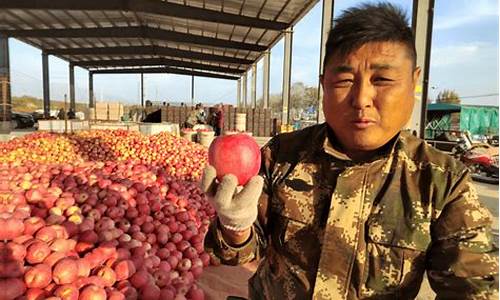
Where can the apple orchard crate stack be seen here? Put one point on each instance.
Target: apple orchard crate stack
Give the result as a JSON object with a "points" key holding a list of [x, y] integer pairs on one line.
{"points": [[102, 214], [259, 120]]}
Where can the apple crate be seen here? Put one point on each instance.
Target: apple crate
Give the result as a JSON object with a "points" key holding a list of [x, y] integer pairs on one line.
{"points": [[58, 126], [155, 128], [132, 126], [44, 125], [78, 125], [112, 126], [189, 135]]}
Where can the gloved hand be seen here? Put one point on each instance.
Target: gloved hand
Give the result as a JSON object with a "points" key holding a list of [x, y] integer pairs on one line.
{"points": [[236, 206]]}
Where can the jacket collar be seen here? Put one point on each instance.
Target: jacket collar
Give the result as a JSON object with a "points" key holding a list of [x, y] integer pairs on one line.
{"points": [[326, 140]]}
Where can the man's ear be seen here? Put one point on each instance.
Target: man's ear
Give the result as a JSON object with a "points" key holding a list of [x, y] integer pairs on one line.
{"points": [[416, 75]]}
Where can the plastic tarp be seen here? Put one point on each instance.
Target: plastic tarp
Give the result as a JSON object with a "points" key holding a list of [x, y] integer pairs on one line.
{"points": [[479, 120]]}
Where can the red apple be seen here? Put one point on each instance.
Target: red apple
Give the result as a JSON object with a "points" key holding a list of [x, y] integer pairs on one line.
{"points": [[65, 271], [67, 292], [92, 292], [37, 252], [12, 288], [38, 276], [236, 154]]}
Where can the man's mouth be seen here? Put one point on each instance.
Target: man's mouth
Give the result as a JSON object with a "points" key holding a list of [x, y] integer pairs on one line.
{"points": [[362, 123]]}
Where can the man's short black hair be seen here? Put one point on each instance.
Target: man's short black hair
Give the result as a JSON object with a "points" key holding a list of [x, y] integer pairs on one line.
{"points": [[368, 22]]}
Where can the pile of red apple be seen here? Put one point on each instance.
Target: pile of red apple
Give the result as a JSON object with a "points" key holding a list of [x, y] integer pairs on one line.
{"points": [[181, 158], [100, 230]]}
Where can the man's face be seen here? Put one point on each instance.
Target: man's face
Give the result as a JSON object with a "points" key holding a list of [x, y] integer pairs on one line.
{"points": [[368, 95]]}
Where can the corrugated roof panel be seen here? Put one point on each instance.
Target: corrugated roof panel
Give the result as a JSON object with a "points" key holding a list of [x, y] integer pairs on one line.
{"points": [[60, 18], [233, 6], [292, 9], [251, 8]]}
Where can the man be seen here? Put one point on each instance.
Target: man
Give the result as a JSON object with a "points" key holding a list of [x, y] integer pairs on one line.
{"points": [[356, 208], [71, 114], [201, 117], [217, 120], [194, 116], [61, 114]]}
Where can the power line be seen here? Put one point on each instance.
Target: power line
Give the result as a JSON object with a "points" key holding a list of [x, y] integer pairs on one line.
{"points": [[479, 96]]}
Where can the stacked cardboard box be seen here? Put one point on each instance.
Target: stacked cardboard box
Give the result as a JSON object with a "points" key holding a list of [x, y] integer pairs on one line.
{"points": [[232, 118], [229, 115], [183, 114], [101, 111], [177, 114], [115, 111], [164, 113], [268, 122], [260, 121], [249, 112]]}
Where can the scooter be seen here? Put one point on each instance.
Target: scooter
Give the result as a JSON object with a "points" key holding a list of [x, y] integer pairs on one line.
{"points": [[478, 158]]}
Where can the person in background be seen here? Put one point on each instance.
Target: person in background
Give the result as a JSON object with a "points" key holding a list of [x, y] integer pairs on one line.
{"points": [[357, 207], [194, 116], [61, 114], [218, 119], [201, 116], [71, 114]]}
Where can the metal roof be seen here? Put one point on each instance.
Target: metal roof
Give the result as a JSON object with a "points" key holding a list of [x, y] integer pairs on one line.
{"points": [[193, 37], [444, 107]]}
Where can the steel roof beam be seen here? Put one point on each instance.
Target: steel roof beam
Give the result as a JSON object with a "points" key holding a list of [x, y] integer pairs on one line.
{"points": [[153, 62], [132, 32], [147, 6], [163, 70], [150, 50]]}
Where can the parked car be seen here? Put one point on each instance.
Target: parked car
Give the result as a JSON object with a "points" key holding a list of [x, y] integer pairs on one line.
{"points": [[22, 120]]}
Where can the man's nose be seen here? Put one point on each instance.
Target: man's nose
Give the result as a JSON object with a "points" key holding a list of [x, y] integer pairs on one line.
{"points": [[362, 95]]}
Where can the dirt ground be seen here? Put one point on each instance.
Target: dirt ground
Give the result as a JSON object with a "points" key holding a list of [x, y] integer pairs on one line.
{"points": [[222, 281]]}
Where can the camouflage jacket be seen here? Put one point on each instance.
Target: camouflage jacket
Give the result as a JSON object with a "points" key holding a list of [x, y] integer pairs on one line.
{"points": [[329, 228]]}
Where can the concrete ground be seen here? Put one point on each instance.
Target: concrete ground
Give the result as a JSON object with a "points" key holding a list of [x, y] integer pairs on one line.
{"points": [[16, 133]]}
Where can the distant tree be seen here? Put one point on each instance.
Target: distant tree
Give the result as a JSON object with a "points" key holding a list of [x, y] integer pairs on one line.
{"points": [[448, 96], [302, 97]]}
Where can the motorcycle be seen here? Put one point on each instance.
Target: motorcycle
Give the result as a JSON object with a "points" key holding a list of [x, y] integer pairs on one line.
{"points": [[480, 158]]}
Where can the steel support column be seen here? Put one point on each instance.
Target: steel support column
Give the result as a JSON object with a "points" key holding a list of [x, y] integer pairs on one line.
{"points": [[244, 92], [72, 103], [192, 90], [265, 79], [253, 88], [5, 96], [91, 90], [238, 93], [287, 76], [142, 89], [46, 85], [423, 14], [326, 25]]}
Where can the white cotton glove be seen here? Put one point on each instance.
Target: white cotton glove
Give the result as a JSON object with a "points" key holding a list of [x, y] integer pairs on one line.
{"points": [[236, 206]]}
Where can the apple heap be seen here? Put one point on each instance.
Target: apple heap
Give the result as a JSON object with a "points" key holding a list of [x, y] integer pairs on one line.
{"points": [[100, 230], [181, 158]]}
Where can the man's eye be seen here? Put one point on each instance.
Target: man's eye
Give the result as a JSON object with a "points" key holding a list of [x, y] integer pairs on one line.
{"points": [[343, 82], [382, 79]]}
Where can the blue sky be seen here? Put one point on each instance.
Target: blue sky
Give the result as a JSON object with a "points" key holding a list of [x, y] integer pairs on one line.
{"points": [[464, 58]]}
